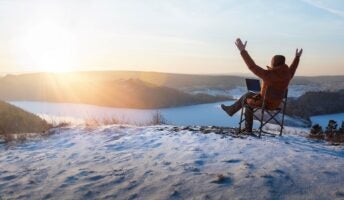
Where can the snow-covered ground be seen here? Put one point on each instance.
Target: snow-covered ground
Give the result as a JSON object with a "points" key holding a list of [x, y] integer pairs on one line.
{"points": [[294, 91], [167, 162], [299, 90], [235, 93]]}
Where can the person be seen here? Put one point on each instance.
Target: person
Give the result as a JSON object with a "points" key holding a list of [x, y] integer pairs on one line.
{"points": [[276, 77]]}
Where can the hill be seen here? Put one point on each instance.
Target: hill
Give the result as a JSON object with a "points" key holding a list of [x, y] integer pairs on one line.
{"points": [[16, 120], [316, 103], [97, 89], [132, 89], [176, 81]]}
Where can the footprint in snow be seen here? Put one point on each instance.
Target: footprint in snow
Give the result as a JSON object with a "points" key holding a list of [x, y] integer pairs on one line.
{"points": [[232, 161], [199, 162], [329, 173], [249, 165], [222, 180], [159, 156], [166, 163], [278, 171], [339, 194]]}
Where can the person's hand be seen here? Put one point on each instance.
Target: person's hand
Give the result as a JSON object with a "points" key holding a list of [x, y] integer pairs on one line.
{"points": [[298, 53], [241, 46]]}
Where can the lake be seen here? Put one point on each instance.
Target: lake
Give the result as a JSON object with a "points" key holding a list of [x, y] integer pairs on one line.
{"points": [[204, 114]]}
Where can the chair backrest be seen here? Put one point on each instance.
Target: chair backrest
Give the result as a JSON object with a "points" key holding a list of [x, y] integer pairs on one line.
{"points": [[276, 94], [253, 85]]}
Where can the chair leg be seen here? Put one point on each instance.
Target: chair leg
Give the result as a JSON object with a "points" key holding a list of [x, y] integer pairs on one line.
{"points": [[282, 125], [261, 123], [240, 122], [283, 113], [281, 131]]}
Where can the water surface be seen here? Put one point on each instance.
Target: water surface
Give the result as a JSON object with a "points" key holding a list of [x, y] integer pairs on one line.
{"points": [[204, 114]]}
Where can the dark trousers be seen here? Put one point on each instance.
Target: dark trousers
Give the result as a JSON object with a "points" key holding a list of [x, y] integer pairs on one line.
{"points": [[239, 104]]}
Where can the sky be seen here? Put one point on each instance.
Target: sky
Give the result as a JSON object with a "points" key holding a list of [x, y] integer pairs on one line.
{"points": [[178, 36]]}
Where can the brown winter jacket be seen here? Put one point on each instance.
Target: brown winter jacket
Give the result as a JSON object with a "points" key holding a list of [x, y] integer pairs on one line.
{"points": [[276, 78]]}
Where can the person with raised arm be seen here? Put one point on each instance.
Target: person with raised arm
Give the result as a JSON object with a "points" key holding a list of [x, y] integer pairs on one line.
{"points": [[277, 77]]}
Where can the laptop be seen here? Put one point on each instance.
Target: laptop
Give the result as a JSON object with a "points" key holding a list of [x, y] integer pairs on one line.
{"points": [[253, 85]]}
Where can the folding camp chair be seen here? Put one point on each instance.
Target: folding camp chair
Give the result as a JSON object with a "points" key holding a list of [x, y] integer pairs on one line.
{"points": [[253, 85]]}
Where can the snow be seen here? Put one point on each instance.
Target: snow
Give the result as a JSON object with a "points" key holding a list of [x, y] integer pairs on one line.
{"points": [[169, 162], [237, 92], [299, 90]]}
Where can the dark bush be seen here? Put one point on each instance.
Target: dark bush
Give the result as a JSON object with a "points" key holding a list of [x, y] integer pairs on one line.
{"points": [[331, 134]]}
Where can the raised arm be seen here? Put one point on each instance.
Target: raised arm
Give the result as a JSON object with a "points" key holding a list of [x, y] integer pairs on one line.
{"points": [[260, 72], [295, 62]]}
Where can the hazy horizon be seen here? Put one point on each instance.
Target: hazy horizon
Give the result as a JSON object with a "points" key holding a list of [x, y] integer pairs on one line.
{"points": [[238, 74], [185, 37], [246, 73]]}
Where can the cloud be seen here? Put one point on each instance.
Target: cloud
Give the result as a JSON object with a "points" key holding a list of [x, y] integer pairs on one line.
{"points": [[320, 4]]}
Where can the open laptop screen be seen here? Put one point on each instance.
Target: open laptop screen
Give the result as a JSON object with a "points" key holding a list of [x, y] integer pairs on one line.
{"points": [[253, 85]]}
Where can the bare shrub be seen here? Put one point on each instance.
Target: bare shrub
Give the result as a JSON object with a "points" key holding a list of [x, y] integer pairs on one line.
{"points": [[158, 119], [93, 121]]}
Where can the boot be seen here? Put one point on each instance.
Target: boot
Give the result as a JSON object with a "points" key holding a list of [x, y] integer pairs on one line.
{"points": [[230, 110]]}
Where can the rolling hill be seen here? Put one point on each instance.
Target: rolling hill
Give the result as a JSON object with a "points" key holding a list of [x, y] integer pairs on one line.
{"points": [[132, 89], [98, 90]]}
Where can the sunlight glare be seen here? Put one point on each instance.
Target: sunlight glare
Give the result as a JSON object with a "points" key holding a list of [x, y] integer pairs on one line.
{"points": [[46, 47]]}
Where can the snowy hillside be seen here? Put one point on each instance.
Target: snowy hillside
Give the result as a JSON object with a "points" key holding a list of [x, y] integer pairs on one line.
{"points": [[169, 162], [294, 91]]}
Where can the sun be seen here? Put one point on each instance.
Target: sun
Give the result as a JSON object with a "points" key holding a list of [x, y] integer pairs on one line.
{"points": [[46, 47]]}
